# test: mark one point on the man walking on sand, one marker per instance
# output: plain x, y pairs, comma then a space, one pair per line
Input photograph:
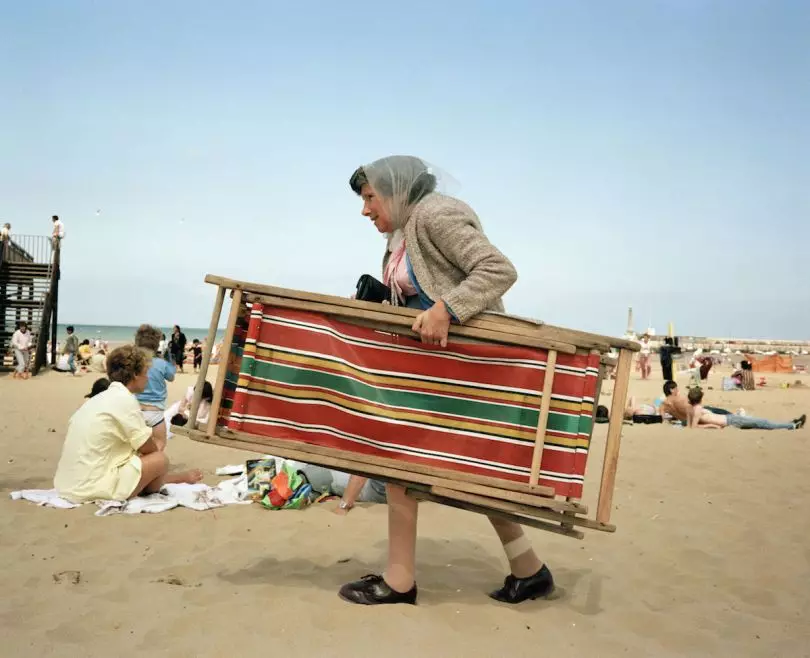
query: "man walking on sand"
71, 347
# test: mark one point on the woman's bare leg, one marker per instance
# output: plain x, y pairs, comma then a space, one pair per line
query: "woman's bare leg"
523, 562
155, 473
402, 516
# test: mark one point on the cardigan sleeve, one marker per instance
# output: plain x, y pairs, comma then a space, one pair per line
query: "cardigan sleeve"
489, 273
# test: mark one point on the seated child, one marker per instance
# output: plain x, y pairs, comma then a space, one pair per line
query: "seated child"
153, 397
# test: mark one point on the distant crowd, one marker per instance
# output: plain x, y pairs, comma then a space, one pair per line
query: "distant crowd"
75, 355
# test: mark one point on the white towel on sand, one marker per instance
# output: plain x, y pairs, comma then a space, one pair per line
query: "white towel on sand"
43, 498
194, 496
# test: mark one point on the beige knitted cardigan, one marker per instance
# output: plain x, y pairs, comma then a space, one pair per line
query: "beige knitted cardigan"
453, 260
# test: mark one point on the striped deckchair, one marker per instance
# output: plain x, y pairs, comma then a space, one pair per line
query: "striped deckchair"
499, 421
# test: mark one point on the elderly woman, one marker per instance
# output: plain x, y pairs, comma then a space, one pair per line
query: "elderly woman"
109, 452
438, 260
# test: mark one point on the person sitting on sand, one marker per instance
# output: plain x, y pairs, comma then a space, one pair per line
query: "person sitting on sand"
699, 416
153, 397
85, 352
744, 377
98, 362
99, 386
109, 453
177, 414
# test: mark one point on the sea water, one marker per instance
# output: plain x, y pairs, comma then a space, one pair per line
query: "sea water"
118, 334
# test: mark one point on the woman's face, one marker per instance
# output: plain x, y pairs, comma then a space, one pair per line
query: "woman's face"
375, 209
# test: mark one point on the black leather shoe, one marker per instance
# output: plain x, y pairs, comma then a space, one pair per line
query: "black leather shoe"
799, 422
516, 590
373, 590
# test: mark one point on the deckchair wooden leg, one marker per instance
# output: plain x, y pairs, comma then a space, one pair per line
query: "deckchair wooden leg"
542, 423
614, 436
209, 346
222, 371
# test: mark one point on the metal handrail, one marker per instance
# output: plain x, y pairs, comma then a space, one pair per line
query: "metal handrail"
34, 249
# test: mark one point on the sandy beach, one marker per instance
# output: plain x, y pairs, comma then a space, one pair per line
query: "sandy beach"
711, 556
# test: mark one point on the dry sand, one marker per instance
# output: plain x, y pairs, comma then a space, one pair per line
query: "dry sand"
711, 557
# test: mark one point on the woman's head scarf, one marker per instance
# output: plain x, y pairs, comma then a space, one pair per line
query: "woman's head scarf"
400, 180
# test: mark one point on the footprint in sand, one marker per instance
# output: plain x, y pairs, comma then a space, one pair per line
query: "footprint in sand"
179, 582
72, 577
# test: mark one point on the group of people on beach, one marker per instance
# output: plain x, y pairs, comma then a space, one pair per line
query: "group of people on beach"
701, 364
74, 355
437, 260
689, 411
115, 446
177, 351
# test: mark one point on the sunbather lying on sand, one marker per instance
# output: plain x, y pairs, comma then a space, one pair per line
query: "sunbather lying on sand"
635, 408
642, 413
351, 489
699, 416
109, 452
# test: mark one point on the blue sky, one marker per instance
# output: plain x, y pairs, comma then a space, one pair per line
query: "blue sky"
653, 154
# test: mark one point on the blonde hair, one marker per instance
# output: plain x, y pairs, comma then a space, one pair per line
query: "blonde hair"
148, 337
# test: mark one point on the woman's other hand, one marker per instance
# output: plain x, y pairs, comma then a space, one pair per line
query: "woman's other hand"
433, 325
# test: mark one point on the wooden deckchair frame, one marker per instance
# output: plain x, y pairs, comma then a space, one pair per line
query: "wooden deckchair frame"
530, 504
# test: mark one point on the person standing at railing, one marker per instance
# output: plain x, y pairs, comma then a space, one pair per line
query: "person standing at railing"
58, 230
21, 343
5, 238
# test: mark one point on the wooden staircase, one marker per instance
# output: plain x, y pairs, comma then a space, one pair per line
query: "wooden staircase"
29, 275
